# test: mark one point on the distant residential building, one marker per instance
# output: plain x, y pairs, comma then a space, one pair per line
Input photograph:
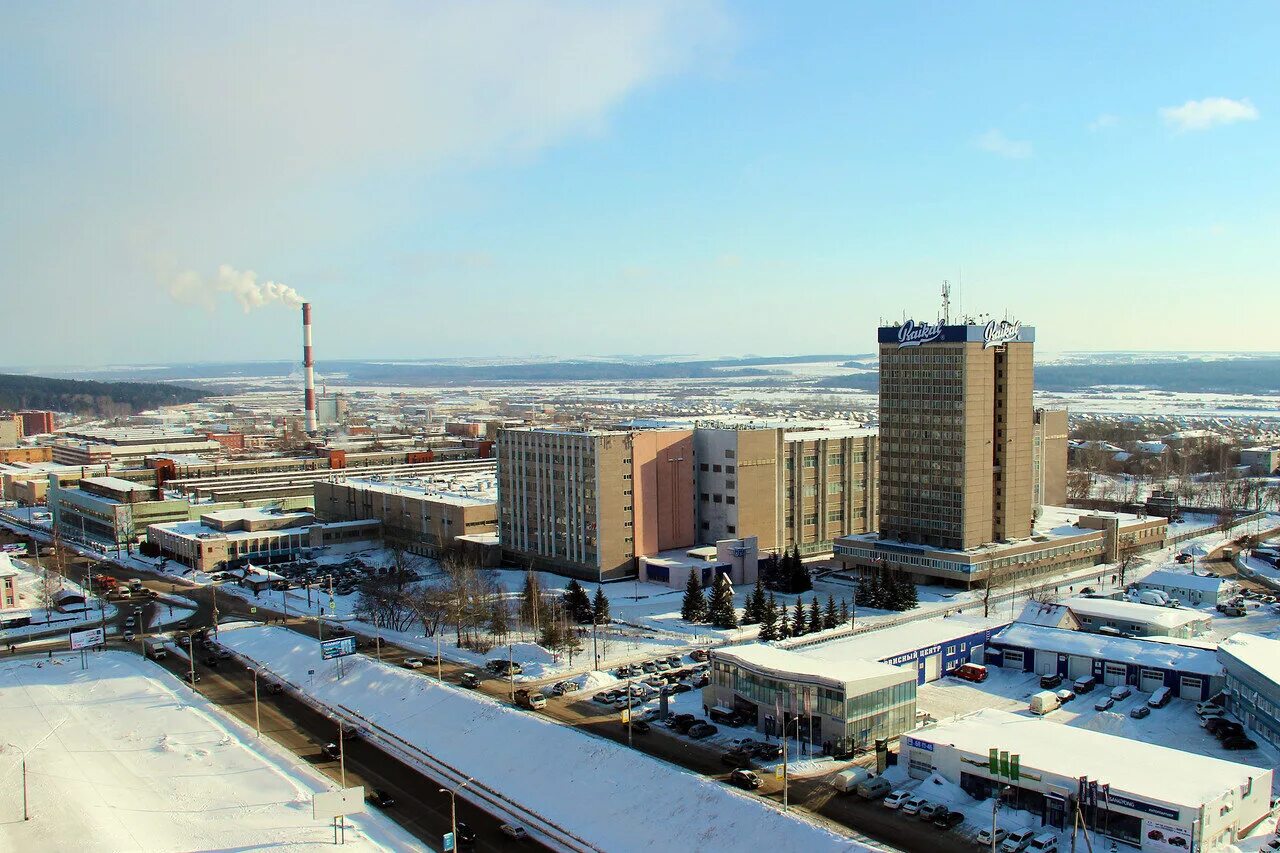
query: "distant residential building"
1253, 683
1049, 457
1189, 589
35, 453
36, 422
1262, 461
1048, 616
8, 583
585, 503
10, 430
1163, 504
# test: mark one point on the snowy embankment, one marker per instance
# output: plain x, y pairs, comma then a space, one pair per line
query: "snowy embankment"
120, 756
556, 779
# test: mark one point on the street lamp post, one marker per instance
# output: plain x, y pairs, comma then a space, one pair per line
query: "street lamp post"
453, 810
257, 718
995, 806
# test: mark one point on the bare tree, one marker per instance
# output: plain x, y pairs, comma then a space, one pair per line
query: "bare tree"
382, 601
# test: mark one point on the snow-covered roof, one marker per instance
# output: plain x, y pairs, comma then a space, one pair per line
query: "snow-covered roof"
6, 566
1100, 646
1148, 614
900, 639
787, 663
1050, 615
459, 488
1184, 778
1182, 580
1258, 653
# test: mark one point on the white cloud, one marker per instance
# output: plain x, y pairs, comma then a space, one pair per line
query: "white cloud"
1103, 122
995, 142
1206, 113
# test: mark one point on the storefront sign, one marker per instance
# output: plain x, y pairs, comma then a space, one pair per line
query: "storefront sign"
920, 744
913, 334
1158, 835
998, 333
1139, 806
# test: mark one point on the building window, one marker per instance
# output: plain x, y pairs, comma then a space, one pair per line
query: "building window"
716, 469
706, 525
811, 461
731, 529
811, 518
728, 469
716, 498
730, 484
705, 497
730, 499
729, 454
703, 467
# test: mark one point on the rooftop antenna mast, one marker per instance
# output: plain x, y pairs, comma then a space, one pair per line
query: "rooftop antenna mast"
946, 302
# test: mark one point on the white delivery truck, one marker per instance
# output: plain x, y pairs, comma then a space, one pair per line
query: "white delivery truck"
846, 780
1044, 702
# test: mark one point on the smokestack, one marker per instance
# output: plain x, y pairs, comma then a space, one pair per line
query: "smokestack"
309, 365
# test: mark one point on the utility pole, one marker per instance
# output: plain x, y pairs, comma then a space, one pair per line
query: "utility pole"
629, 743
511, 674
191, 657
257, 718
439, 666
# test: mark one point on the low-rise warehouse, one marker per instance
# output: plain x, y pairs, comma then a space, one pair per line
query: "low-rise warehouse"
1253, 683
1189, 672
842, 706
1107, 615
1153, 797
931, 647
1186, 587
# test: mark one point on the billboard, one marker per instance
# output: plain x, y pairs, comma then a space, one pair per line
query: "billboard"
88, 639
327, 805
339, 647
1159, 835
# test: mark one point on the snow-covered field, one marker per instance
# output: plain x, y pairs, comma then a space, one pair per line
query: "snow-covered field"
599, 790
122, 757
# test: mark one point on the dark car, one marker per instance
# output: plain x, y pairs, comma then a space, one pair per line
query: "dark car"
331, 750
639, 727
1140, 711
1048, 682
700, 730
726, 717
677, 688
275, 687
766, 751
948, 819
466, 836
699, 655
193, 677
745, 779
211, 661
1238, 742
381, 799
739, 758
929, 811
683, 722
1225, 729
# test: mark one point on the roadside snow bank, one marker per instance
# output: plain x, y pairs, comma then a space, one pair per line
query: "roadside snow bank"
589, 786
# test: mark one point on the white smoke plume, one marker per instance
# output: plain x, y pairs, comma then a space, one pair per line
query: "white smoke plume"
191, 287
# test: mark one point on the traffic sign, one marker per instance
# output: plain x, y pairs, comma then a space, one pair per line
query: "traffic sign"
626, 715
253, 610
777, 772
337, 648
448, 842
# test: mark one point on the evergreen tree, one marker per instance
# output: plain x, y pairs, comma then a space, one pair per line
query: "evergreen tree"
600, 608
576, 602
800, 580
769, 621
798, 622
570, 642
830, 617
753, 612
694, 607
551, 637
865, 595
720, 612
844, 610
531, 601
815, 616
907, 598
784, 624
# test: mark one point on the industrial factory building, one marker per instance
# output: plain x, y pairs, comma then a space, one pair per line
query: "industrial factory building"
128, 446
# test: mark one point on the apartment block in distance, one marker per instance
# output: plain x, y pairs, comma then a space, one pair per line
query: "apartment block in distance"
788, 487
584, 503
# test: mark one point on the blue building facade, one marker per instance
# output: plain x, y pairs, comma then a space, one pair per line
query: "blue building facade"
949, 654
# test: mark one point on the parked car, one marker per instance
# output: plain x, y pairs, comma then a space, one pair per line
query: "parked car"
745, 779
639, 727
673, 660
1016, 841
931, 810
648, 667
1084, 684
725, 716
698, 731
381, 799
736, 758
699, 655
895, 799
1121, 691
331, 751
1140, 712
1209, 705
871, 789
1160, 698
974, 672
514, 832
1065, 695
1046, 842
1238, 742
414, 663
913, 805
1049, 682
564, 687
466, 836
470, 679
211, 662
948, 819
985, 839
767, 751
1104, 704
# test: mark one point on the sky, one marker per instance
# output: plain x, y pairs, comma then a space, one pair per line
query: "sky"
575, 178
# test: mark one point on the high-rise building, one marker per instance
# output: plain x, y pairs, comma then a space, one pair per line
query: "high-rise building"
956, 433
586, 502
36, 422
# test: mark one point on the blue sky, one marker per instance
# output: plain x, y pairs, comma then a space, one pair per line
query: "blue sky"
505, 178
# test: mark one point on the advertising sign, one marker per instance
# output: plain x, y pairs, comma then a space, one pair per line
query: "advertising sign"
88, 639
998, 333
1158, 835
337, 648
327, 805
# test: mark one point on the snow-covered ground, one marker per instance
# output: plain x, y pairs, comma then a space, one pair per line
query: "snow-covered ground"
122, 757
599, 790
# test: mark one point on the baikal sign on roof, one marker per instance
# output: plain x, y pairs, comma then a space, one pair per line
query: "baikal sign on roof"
993, 334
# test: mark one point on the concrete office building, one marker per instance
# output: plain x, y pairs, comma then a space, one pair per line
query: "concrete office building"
232, 538
1049, 457
847, 704
425, 512
1253, 683
788, 487
109, 510
1153, 797
956, 433
10, 430
1262, 461
585, 503
737, 559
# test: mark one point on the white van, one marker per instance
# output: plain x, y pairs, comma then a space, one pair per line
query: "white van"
1046, 842
1153, 596
1044, 702
846, 780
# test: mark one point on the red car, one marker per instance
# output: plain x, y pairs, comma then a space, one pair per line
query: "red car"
971, 672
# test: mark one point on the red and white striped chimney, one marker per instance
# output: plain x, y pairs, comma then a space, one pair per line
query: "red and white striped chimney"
309, 365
